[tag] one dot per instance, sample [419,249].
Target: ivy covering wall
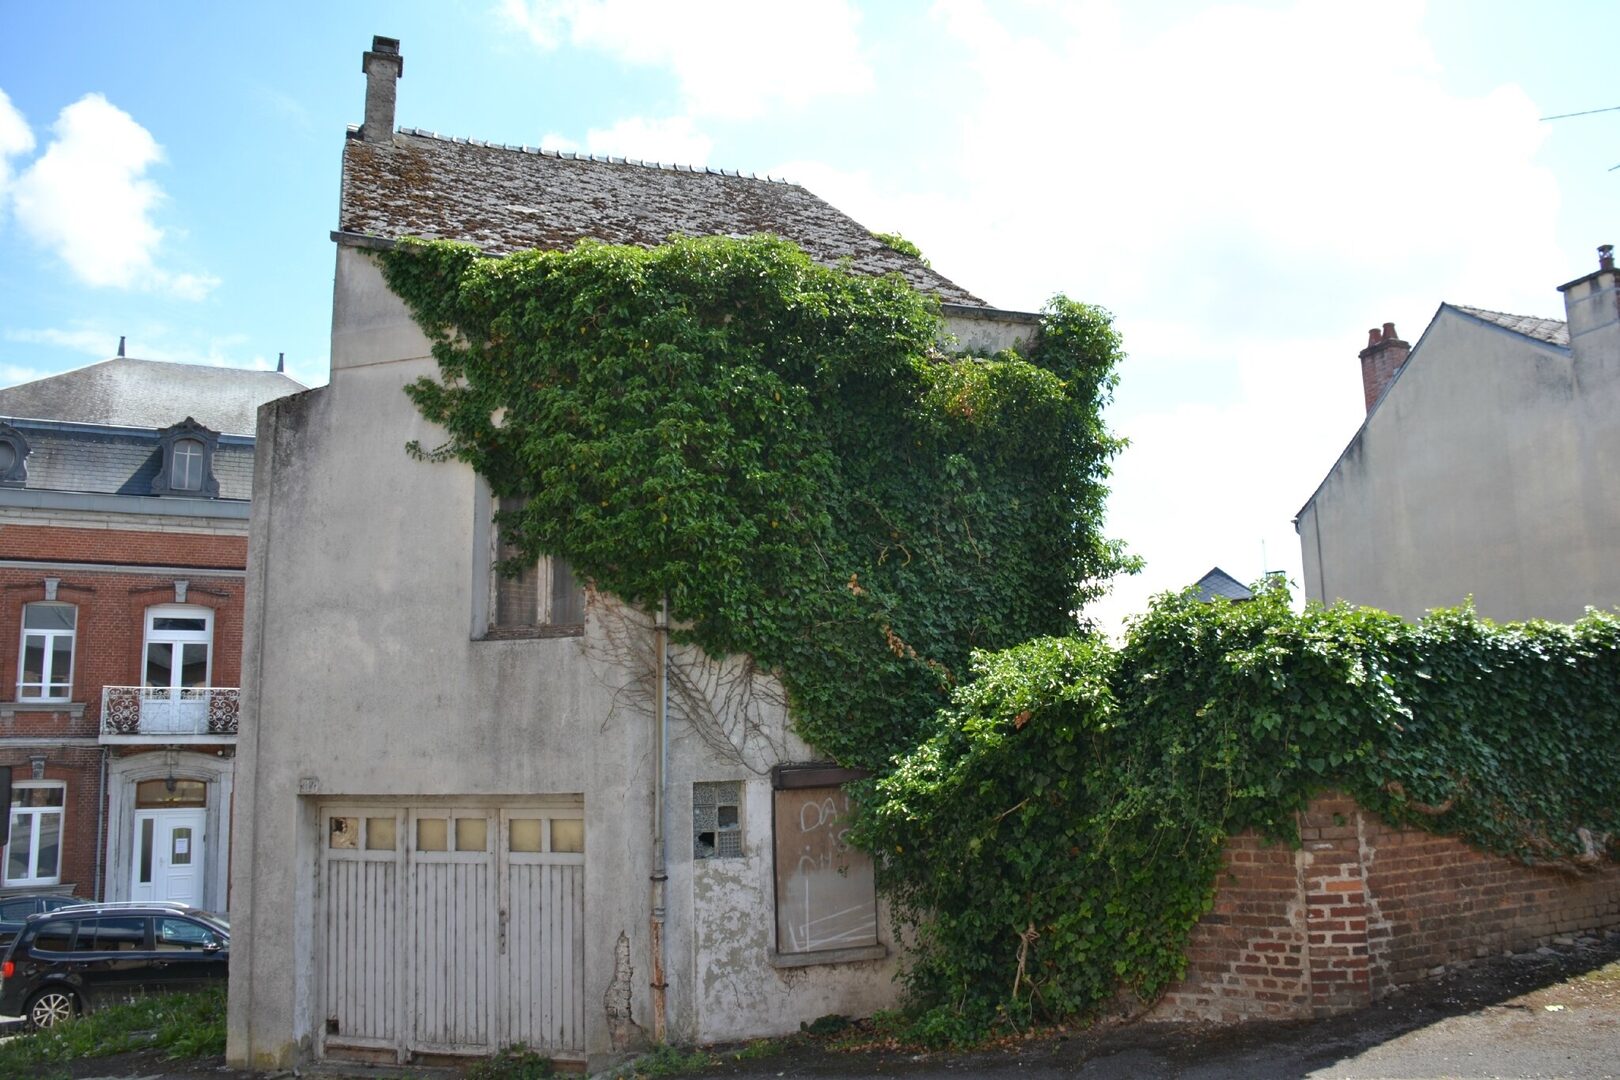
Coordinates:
[903,536]
[783,450]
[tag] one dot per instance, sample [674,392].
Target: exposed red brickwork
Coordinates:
[60,544]
[1362,907]
[79,767]
[1380,360]
[107,650]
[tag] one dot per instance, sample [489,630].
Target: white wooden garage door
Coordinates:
[453,929]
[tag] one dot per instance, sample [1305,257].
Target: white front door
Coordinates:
[168,856]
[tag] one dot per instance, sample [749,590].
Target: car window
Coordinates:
[124,933]
[51,903]
[15,910]
[175,935]
[54,936]
[86,941]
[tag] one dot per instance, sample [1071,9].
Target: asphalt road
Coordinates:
[1552,1013]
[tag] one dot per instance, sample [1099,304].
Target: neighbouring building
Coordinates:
[124,492]
[453,784]
[1219,585]
[1488,466]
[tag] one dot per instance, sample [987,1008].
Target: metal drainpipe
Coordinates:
[101,826]
[660,875]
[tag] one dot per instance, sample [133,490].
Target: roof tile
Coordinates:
[506,199]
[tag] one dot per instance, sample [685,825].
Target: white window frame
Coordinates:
[178,637]
[188,460]
[32,816]
[48,640]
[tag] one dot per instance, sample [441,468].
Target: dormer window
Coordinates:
[187,471]
[13,457]
[187,467]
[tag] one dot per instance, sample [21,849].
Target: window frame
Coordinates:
[543,622]
[169,440]
[150,636]
[49,637]
[34,814]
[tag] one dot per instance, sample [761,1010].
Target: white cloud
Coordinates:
[15,138]
[674,140]
[152,341]
[87,199]
[731,58]
[1248,189]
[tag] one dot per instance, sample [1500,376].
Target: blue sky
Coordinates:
[1247,186]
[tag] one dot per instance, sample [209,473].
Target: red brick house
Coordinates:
[124,492]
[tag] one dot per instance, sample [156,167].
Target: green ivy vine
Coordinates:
[903,536]
[1067,818]
[784,450]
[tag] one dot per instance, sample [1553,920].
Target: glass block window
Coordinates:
[717,819]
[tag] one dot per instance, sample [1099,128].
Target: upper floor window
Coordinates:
[187,466]
[45,668]
[179,646]
[187,471]
[34,853]
[13,457]
[537,597]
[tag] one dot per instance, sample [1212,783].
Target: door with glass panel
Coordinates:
[169,856]
[176,667]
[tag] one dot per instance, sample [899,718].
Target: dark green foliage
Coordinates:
[179,1025]
[516,1062]
[782,449]
[1083,793]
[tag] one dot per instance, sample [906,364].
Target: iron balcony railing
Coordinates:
[202,714]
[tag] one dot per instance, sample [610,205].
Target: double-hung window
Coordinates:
[537,597]
[45,668]
[34,854]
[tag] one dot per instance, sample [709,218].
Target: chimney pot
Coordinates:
[120,344]
[1380,360]
[383,66]
[1605,256]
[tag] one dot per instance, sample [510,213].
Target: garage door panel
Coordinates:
[458,938]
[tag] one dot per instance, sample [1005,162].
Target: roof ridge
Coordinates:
[1506,314]
[602,159]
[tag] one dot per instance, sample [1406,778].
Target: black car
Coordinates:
[78,958]
[14,909]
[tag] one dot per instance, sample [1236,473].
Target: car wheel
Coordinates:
[52,1007]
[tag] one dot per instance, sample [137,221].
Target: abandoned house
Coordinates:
[1488,466]
[124,493]
[470,812]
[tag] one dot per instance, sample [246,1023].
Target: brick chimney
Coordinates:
[1380,360]
[383,66]
[1592,308]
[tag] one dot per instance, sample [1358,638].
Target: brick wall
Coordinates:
[56,543]
[107,649]
[1362,907]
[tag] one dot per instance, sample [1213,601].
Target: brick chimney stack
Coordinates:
[1380,360]
[382,66]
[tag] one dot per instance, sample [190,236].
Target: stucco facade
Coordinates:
[1489,467]
[369,680]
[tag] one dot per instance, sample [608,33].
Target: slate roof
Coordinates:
[1552,331]
[126,392]
[511,198]
[115,461]
[1219,584]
